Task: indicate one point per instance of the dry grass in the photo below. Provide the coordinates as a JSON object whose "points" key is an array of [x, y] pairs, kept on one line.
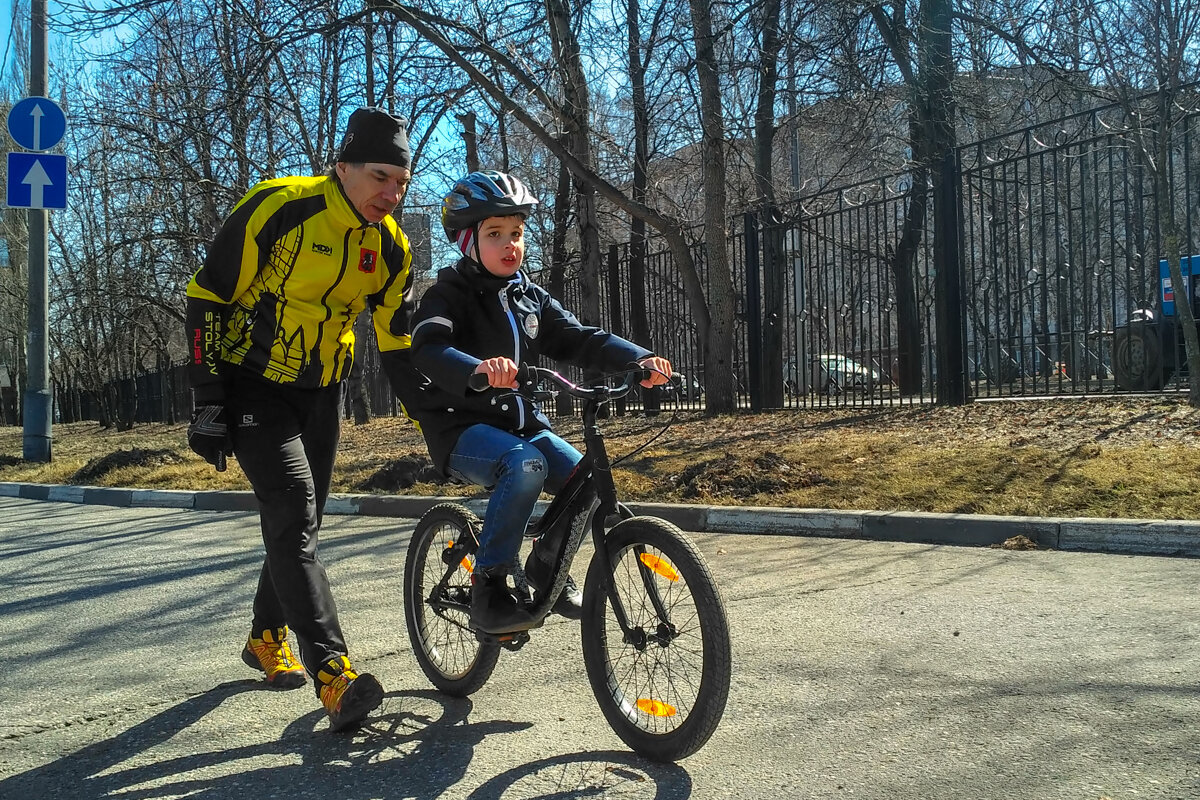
{"points": [[1135, 458]]}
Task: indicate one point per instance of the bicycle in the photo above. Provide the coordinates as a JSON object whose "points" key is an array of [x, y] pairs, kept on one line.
{"points": [[655, 635]]}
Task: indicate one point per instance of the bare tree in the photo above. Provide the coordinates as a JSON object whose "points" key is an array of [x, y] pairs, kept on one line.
{"points": [[903, 42], [719, 374], [717, 336]]}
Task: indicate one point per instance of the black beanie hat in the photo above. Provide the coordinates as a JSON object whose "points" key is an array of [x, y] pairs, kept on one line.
{"points": [[375, 136]]}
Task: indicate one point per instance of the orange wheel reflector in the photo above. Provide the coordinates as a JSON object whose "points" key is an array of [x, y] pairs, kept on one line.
{"points": [[660, 566], [655, 708], [466, 562]]}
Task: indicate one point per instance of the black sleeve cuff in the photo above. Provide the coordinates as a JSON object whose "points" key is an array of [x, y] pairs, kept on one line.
{"points": [[208, 394]]}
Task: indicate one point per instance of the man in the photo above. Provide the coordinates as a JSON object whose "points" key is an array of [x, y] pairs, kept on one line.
{"points": [[270, 317]]}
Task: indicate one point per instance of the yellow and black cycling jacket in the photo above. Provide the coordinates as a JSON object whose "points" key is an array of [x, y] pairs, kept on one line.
{"points": [[286, 276]]}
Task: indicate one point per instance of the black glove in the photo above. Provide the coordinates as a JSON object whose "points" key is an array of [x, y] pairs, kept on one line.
{"points": [[208, 435]]}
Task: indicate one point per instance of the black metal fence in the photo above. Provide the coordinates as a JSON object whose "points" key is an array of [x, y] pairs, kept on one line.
{"points": [[1060, 240], [1060, 235], [1063, 242], [825, 298], [153, 396]]}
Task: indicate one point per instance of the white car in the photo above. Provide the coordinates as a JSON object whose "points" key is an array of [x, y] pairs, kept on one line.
{"points": [[833, 374]]}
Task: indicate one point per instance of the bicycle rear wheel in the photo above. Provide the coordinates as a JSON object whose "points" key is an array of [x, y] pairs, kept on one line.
{"points": [[664, 692], [437, 601]]}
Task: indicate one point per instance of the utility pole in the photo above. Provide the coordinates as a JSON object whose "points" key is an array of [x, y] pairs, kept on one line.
{"points": [[38, 399]]}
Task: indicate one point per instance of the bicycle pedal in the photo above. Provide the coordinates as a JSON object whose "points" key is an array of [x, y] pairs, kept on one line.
{"points": [[509, 641]]}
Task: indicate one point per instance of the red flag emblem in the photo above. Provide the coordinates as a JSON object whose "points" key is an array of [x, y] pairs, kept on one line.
{"points": [[366, 260]]}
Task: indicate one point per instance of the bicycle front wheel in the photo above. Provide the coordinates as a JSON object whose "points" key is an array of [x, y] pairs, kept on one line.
{"points": [[437, 601], [663, 688]]}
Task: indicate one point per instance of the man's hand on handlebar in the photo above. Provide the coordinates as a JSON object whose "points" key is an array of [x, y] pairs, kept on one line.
{"points": [[501, 372], [660, 371]]}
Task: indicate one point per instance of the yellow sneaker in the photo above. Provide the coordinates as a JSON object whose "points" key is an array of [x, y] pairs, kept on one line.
{"points": [[347, 696], [273, 655]]}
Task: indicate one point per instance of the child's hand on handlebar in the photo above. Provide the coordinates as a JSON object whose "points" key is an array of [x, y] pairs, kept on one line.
{"points": [[501, 372], [660, 371]]}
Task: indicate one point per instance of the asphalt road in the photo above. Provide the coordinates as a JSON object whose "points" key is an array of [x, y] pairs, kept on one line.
{"points": [[862, 670]]}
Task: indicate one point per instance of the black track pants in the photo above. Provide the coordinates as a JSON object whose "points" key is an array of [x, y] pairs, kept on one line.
{"points": [[285, 441]]}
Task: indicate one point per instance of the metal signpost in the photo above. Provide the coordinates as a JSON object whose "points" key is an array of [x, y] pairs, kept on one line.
{"points": [[37, 181]]}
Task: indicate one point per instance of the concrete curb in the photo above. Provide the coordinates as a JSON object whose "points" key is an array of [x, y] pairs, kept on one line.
{"points": [[1134, 536]]}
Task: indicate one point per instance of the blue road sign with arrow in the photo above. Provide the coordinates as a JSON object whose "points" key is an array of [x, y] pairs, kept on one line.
{"points": [[37, 123], [37, 180]]}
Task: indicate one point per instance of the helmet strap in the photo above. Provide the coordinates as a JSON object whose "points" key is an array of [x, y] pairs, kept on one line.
{"points": [[468, 243]]}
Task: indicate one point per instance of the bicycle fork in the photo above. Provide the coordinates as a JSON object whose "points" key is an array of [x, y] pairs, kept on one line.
{"points": [[607, 508]]}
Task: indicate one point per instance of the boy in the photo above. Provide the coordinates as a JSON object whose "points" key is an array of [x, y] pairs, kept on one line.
{"points": [[484, 316]]}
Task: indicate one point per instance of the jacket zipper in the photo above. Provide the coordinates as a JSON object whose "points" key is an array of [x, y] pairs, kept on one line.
{"points": [[512, 322]]}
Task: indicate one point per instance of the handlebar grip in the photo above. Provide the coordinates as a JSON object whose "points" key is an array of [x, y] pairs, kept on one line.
{"points": [[527, 376], [636, 374], [477, 381], [221, 461]]}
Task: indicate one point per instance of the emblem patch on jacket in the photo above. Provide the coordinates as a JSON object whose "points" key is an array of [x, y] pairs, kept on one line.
{"points": [[531, 325], [366, 260]]}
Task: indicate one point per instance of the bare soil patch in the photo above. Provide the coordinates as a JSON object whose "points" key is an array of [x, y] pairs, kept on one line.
{"points": [[97, 468], [736, 478], [401, 473]]}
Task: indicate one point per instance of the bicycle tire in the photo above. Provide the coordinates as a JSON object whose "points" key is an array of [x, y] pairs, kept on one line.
{"points": [[650, 696], [448, 652]]}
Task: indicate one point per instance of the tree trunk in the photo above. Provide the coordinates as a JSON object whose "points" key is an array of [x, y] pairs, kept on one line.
{"points": [[903, 261], [639, 317], [1167, 29], [470, 140], [719, 369], [369, 58], [903, 267], [937, 67], [774, 284], [576, 110], [557, 284], [1169, 226]]}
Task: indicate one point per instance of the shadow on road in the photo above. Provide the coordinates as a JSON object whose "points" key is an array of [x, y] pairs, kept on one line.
{"points": [[602, 773], [305, 761], [418, 745]]}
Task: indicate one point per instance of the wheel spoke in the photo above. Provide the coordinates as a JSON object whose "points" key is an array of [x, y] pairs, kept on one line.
{"points": [[664, 691], [437, 585]]}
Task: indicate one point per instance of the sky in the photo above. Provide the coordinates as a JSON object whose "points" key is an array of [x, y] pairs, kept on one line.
{"points": [[6, 32], [7, 53]]}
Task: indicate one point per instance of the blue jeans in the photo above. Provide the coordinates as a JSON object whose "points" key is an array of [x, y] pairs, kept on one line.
{"points": [[516, 469]]}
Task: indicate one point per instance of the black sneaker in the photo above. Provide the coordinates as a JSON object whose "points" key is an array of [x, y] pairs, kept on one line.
{"points": [[569, 602], [494, 609]]}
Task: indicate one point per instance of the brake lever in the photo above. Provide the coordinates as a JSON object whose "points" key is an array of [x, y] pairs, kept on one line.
{"points": [[526, 377]]}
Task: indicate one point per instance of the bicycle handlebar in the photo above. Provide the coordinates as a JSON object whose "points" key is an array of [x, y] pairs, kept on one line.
{"points": [[528, 377]]}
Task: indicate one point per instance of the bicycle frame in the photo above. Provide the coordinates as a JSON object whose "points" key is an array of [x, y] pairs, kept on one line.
{"points": [[663, 690], [594, 472]]}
